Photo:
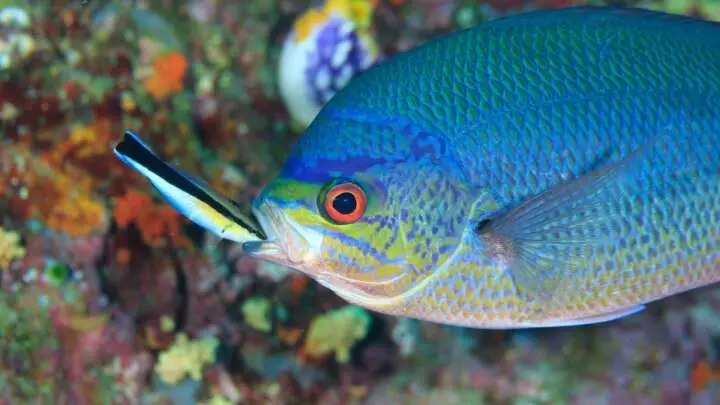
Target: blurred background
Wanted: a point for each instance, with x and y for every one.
(109, 296)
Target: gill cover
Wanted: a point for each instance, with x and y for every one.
(412, 223)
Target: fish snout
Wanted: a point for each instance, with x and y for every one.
(288, 242)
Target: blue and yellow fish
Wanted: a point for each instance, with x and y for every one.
(554, 168)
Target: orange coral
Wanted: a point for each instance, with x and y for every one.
(59, 186)
(152, 220)
(81, 143)
(76, 214)
(702, 374)
(91, 140)
(85, 153)
(128, 207)
(38, 189)
(75, 211)
(167, 76)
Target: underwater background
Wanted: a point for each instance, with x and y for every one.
(109, 296)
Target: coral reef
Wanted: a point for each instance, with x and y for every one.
(10, 248)
(109, 296)
(256, 312)
(185, 357)
(336, 332)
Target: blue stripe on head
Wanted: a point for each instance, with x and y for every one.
(342, 142)
(320, 170)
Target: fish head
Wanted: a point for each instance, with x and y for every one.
(372, 235)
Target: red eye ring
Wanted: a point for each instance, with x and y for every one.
(344, 203)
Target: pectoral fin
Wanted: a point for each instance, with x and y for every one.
(545, 240)
(191, 197)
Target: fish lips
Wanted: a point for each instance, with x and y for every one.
(287, 243)
(270, 248)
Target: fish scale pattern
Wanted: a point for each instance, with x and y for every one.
(516, 107)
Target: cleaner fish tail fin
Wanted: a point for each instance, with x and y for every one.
(191, 197)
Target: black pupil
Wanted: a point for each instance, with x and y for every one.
(345, 203)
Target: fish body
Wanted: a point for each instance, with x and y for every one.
(553, 168)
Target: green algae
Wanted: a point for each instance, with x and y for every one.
(24, 333)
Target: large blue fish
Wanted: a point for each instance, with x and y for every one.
(547, 169)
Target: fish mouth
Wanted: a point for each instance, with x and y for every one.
(286, 244)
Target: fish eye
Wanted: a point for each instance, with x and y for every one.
(344, 202)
